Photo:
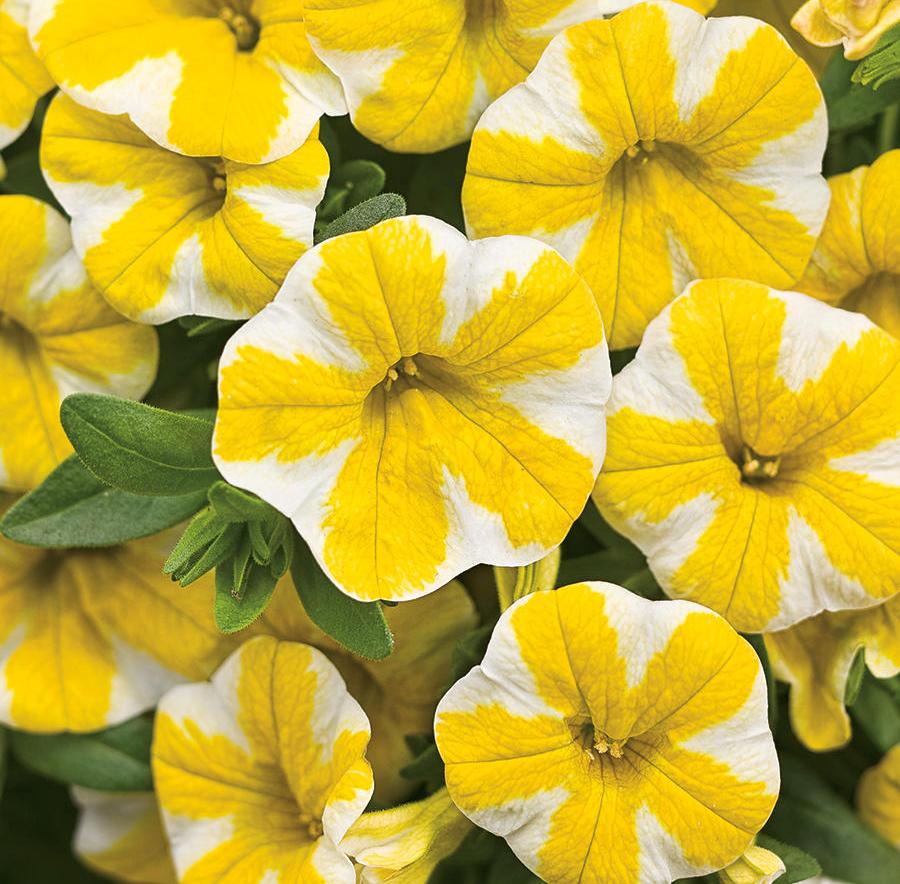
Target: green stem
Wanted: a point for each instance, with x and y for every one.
(887, 129)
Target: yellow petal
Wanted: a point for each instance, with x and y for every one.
(815, 657)
(858, 24)
(705, 163)
(878, 797)
(418, 404)
(586, 742)
(756, 865)
(753, 455)
(261, 772)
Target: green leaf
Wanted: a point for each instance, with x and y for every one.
(852, 104)
(758, 645)
(215, 554)
(197, 326)
(360, 627)
(366, 215)
(811, 816)
(72, 508)
(612, 565)
(855, 677)
(114, 760)
(883, 64)
(350, 184)
(234, 505)
(469, 651)
(237, 609)
(139, 448)
(204, 528)
(798, 864)
(644, 584)
(427, 767)
(877, 712)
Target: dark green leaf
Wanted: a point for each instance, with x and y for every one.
(644, 584)
(435, 185)
(235, 611)
(24, 176)
(197, 326)
(612, 565)
(350, 184)
(798, 864)
(366, 215)
(427, 766)
(139, 448)
(223, 547)
(877, 712)
(2, 759)
(359, 626)
(812, 817)
(72, 508)
(469, 651)
(855, 677)
(235, 505)
(852, 104)
(114, 760)
(758, 645)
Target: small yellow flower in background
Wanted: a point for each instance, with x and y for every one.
(163, 235)
(704, 163)
(405, 844)
(756, 865)
(419, 404)
(815, 657)
(609, 738)
(23, 79)
(261, 772)
(856, 264)
(399, 693)
(858, 24)
(57, 336)
(417, 76)
(230, 78)
(120, 834)
(754, 455)
(878, 797)
(76, 653)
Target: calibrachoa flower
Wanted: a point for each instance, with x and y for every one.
(647, 176)
(753, 454)
(231, 78)
(261, 772)
(815, 657)
(406, 843)
(418, 404)
(57, 336)
(76, 652)
(878, 797)
(120, 835)
(164, 235)
(417, 76)
(613, 739)
(856, 263)
(23, 79)
(400, 692)
(858, 24)
(755, 865)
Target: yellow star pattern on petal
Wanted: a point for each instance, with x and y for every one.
(856, 264)
(163, 235)
(57, 336)
(612, 739)
(648, 168)
(230, 78)
(753, 455)
(418, 404)
(261, 772)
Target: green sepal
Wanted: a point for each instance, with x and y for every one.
(113, 760)
(235, 609)
(223, 547)
(234, 505)
(798, 864)
(882, 64)
(855, 677)
(139, 448)
(427, 766)
(350, 184)
(360, 627)
(852, 104)
(73, 508)
(365, 215)
(203, 529)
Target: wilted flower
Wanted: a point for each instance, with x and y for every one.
(858, 24)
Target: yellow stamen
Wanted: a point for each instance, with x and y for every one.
(409, 367)
(757, 466)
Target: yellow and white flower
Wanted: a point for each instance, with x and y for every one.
(858, 24)
(755, 865)
(120, 835)
(405, 844)
(417, 75)
(23, 79)
(261, 772)
(164, 235)
(609, 738)
(754, 455)
(399, 693)
(57, 336)
(815, 657)
(229, 78)
(419, 404)
(76, 653)
(856, 264)
(656, 148)
(878, 797)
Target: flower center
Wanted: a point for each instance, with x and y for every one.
(642, 151)
(244, 27)
(756, 467)
(311, 826)
(595, 743)
(401, 371)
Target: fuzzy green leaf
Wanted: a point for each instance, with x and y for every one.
(366, 215)
(72, 508)
(350, 184)
(236, 610)
(139, 448)
(114, 760)
(798, 865)
(358, 626)
(235, 505)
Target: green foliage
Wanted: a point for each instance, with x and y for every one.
(72, 508)
(877, 711)
(482, 858)
(350, 184)
(360, 627)
(852, 104)
(882, 65)
(758, 645)
(798, 865)
(855, 677)
(365, 215)
(114, 760)
(198, 326)
(427, 767)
